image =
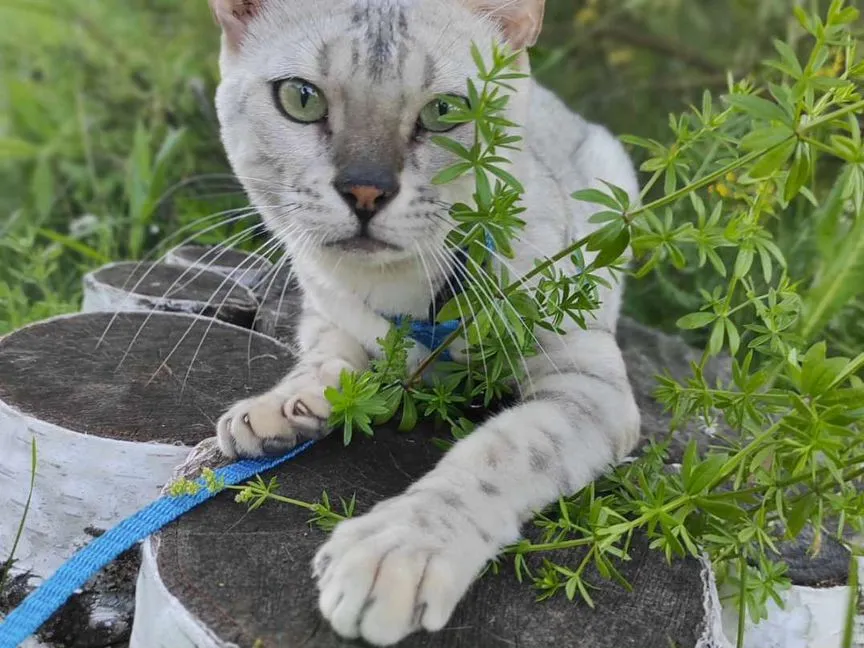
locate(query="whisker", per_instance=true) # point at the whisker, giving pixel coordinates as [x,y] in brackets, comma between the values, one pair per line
[307,237]
[212,322]
[441,262]
[505,301]
[150,314]
[473,286]
[130,292]
[433,292]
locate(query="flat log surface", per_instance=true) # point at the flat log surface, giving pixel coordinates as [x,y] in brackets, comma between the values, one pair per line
[247,575]
[219,257]
[247,269]
[179,289]
[152,378]
[829,567]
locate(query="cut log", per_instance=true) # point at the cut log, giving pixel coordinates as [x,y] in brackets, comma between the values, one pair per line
[145,287]
[223,577]
[814,609]
[245,268]
[273,285]
[122,413]
[113,405]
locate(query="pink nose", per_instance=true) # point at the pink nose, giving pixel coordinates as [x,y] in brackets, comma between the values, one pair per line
[365,197]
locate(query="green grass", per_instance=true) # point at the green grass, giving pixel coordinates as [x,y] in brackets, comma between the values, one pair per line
[109,143]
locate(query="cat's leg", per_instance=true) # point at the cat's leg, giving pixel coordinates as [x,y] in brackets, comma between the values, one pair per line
[406,564]
[295,410]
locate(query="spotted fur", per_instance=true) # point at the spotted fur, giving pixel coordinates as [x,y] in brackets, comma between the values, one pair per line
[406,564]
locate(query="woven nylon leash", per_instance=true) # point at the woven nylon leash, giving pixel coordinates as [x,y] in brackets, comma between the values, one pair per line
[43,602]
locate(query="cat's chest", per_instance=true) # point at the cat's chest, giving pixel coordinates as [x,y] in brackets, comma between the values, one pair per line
[404,291]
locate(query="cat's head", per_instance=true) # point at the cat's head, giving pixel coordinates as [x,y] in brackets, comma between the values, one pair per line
[328,107]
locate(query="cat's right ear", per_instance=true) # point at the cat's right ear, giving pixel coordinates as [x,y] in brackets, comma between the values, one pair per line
[234,17]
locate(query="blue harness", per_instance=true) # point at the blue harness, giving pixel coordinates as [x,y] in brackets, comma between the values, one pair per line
[429,332]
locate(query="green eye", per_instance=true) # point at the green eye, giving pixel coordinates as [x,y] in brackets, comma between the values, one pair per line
[300,101]
[433,112]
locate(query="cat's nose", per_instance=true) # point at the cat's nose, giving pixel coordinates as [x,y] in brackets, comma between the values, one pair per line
[367,196]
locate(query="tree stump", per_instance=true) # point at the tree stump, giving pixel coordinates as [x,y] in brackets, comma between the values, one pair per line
[224,577]
[114,405]
[278,295]
[120,405]
[145,287]
[247,269]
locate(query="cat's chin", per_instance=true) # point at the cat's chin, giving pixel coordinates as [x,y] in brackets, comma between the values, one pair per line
[363,252]
[363,245]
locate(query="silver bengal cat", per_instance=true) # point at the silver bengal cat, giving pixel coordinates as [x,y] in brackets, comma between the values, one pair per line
[327,108]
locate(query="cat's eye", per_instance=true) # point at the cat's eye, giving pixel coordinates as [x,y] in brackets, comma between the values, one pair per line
[300,100]
[431,117]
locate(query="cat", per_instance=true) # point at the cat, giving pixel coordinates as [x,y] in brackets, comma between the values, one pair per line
[327,108]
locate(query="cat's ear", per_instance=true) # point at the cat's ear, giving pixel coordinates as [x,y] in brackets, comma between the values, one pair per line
[521,20]
[234,17]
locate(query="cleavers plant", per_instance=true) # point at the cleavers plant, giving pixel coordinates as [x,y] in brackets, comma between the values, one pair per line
[784,430]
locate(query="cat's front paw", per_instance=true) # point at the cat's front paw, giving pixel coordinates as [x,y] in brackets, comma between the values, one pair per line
[275,422]
[401,568]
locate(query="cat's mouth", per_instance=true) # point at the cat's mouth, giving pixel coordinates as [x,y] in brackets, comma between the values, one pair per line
[362,243]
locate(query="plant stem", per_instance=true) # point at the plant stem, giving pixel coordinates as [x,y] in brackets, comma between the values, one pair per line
[573,247]
[845,110]
[7,566]
[551,546]
[742,600]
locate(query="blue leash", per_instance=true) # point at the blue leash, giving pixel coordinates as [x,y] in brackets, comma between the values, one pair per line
[42,603]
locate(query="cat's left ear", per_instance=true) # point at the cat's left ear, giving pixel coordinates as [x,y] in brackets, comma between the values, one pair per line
[521,20]
[234,16]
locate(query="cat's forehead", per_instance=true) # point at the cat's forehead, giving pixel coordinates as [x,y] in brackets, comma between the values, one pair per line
[422,43]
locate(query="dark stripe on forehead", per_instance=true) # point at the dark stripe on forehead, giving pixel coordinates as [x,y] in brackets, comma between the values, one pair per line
[404,52]
[384,25]
[355,55]
[429,72]
[324,61]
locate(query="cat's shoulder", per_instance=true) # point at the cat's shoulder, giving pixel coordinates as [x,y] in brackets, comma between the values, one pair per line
[573,148]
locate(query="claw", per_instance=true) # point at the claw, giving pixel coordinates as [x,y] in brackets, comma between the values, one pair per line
[300,409]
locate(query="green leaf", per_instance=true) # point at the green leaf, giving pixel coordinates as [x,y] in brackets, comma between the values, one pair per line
[799,515]
[705,473]
[715,342]
[452,173]
[765,138]
[17,149]
[696,321]
[507,177]
[773,160]
[612,250]
[721,509]
[799,174]
[454,309]
[733,335]
[620,195]
[597,197]
[409,413]
[74,244]
[453,146]
[759,108]
[788,56]
[743,262]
